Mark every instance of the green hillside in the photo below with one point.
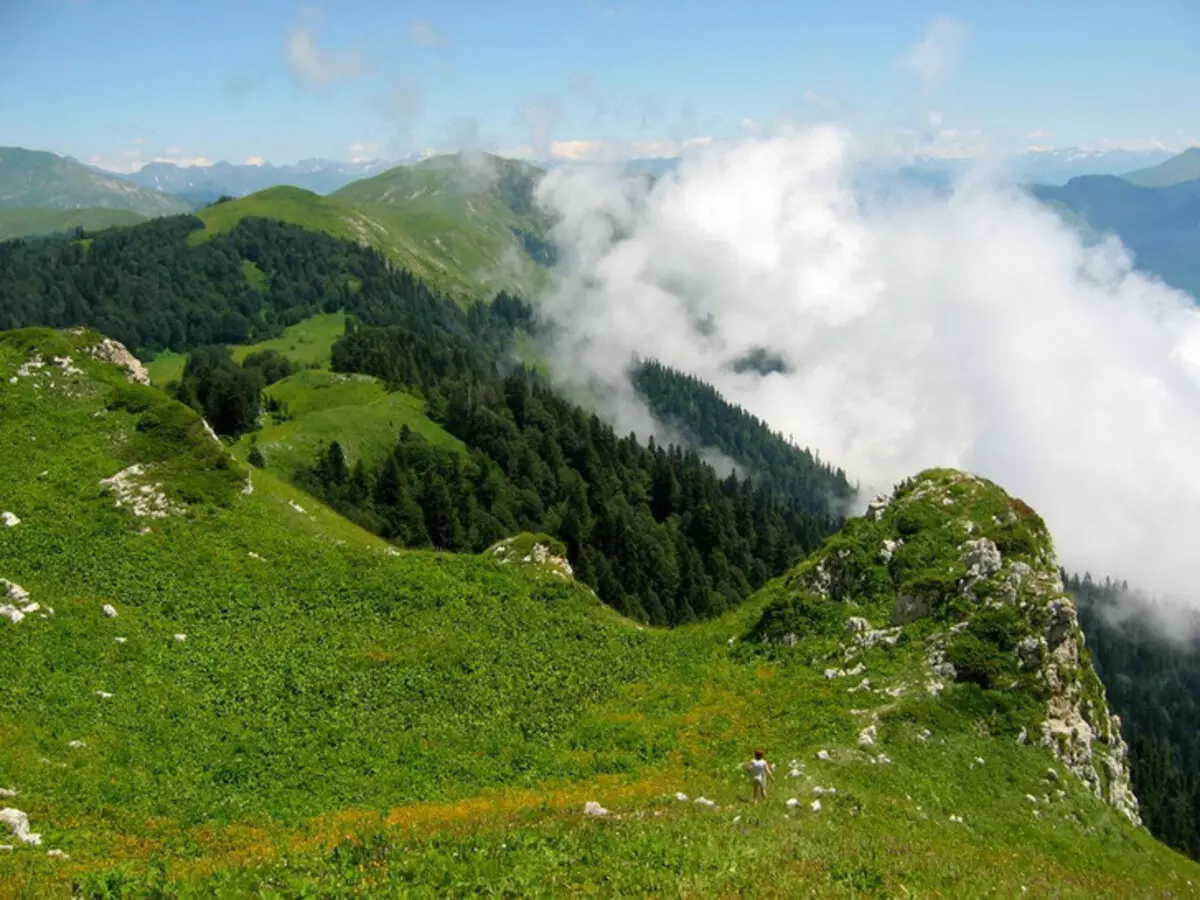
(1176, 170)
(34, 178)
(469, 231)
(284, 705)
(354, 410)
(31, 221)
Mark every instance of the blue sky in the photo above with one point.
(122, 82)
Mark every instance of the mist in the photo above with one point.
(966, 327)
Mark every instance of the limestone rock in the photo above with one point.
(115, 352)
(18, 824)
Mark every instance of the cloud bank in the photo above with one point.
(971, 328)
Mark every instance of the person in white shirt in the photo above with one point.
(760, 770)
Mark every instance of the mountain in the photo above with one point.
(1176, 170)
(36, 221)
(467, 226)
(321, 176)
(34, 178)
(1161, 226)
(198, 656)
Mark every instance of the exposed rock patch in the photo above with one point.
(132, 490)
(18, 824)
(533, 550)
(115, 352)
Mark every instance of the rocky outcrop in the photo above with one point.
(115, 352)
(538, 550)
(953, 548)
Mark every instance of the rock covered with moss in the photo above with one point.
(538, 550)
(951, 562)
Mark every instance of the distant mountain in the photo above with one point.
(35, 178)
(207, 183)
(37, 221)
(1161, 226)
(1176, 170)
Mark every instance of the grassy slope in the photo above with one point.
(1176, 170)
(450, 229)
(31, 221)
(354, 410)
(306, 343)
(324, 406)
(343, 716)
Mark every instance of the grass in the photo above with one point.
(306, 343)
(348, 719)
(454, 229)
(30, 221)
(354, 410)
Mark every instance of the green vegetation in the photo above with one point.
(345, 718)
(1176, 170)
(467, 229)
(658, 533)
(306, 344)
(35, 221)
(34, 178)
(1153, 683)
(319, 408)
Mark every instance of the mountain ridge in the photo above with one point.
(36, 178)
(1176, 170)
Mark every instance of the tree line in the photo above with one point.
(1153, 684)
(656, 531)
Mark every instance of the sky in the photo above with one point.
(120, 83)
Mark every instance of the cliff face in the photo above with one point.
(950, 561)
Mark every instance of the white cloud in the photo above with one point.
(363, 151)
(972, 330)
(423, 33)
(254, 161)
(936, 54)
(602, 151)
(540, 117)
(317, 67)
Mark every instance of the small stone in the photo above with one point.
(681, 796)
(704, 801)
(180, 637)
(104, 695)
(76, 745)
(815, 806)
(109, 610)
(58, 853)
(592, 808)
(120, 640)
(8, 520)
(823, 755)
(792, 803)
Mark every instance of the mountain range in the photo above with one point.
(205, 184)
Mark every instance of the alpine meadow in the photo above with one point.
(771, 479)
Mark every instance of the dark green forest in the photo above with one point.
(658, 533)
(1153, 682)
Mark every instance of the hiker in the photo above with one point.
(760, 770)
